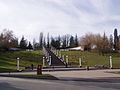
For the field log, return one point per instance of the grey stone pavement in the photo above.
(85, 74)
(82, 74)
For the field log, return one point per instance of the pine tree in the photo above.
(72, 42)
(116, 40)
(23, 43)
(111, 42)
(59, 42)
(30, 46)
(41, 40)
(44, 42)
(76, 41)
(34, 42)
(48, 41)
(64, 45)
(53, 44)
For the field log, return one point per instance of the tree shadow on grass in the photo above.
(6, 63)
(7, 86)
(6, 70)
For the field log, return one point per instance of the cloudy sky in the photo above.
(30, 17)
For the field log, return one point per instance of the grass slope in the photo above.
(8, 59)
(92, 58)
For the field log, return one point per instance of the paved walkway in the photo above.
(91, 74)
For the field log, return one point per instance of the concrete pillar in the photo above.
(18, 64)
(110, 62)
(80, 62)
(67, 61)
(63, 57)
(43, 61)
(50, 63)
(60, 55)
(57, 53)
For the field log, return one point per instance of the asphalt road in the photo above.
(30, 84)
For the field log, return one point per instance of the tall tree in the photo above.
(72, 42)
(36, 46)
(76, 41)
(116, 40)
(68, 40)
(23, 43)
(44, 42)
(105, 45)
(53, 44)
(30, 46)
(34, 42)
(48, 41)
(59, 42)
(64, 45)
(41, 40)
(111, 42)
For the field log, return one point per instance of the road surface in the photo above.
(30, 84)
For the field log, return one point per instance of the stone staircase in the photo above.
(52, 58)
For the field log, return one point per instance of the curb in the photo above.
(31, 77)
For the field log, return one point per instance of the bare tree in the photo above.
(68, 40)
(96, 41)
(88, 41)
(8, 40)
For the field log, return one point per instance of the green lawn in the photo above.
(91, 58)
(8, 59)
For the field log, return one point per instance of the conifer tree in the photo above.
(116, 40)
(23, 43)
(30, 46)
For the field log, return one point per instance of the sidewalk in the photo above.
(85, 74)
(90, 75)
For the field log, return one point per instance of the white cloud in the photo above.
(30, 17)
